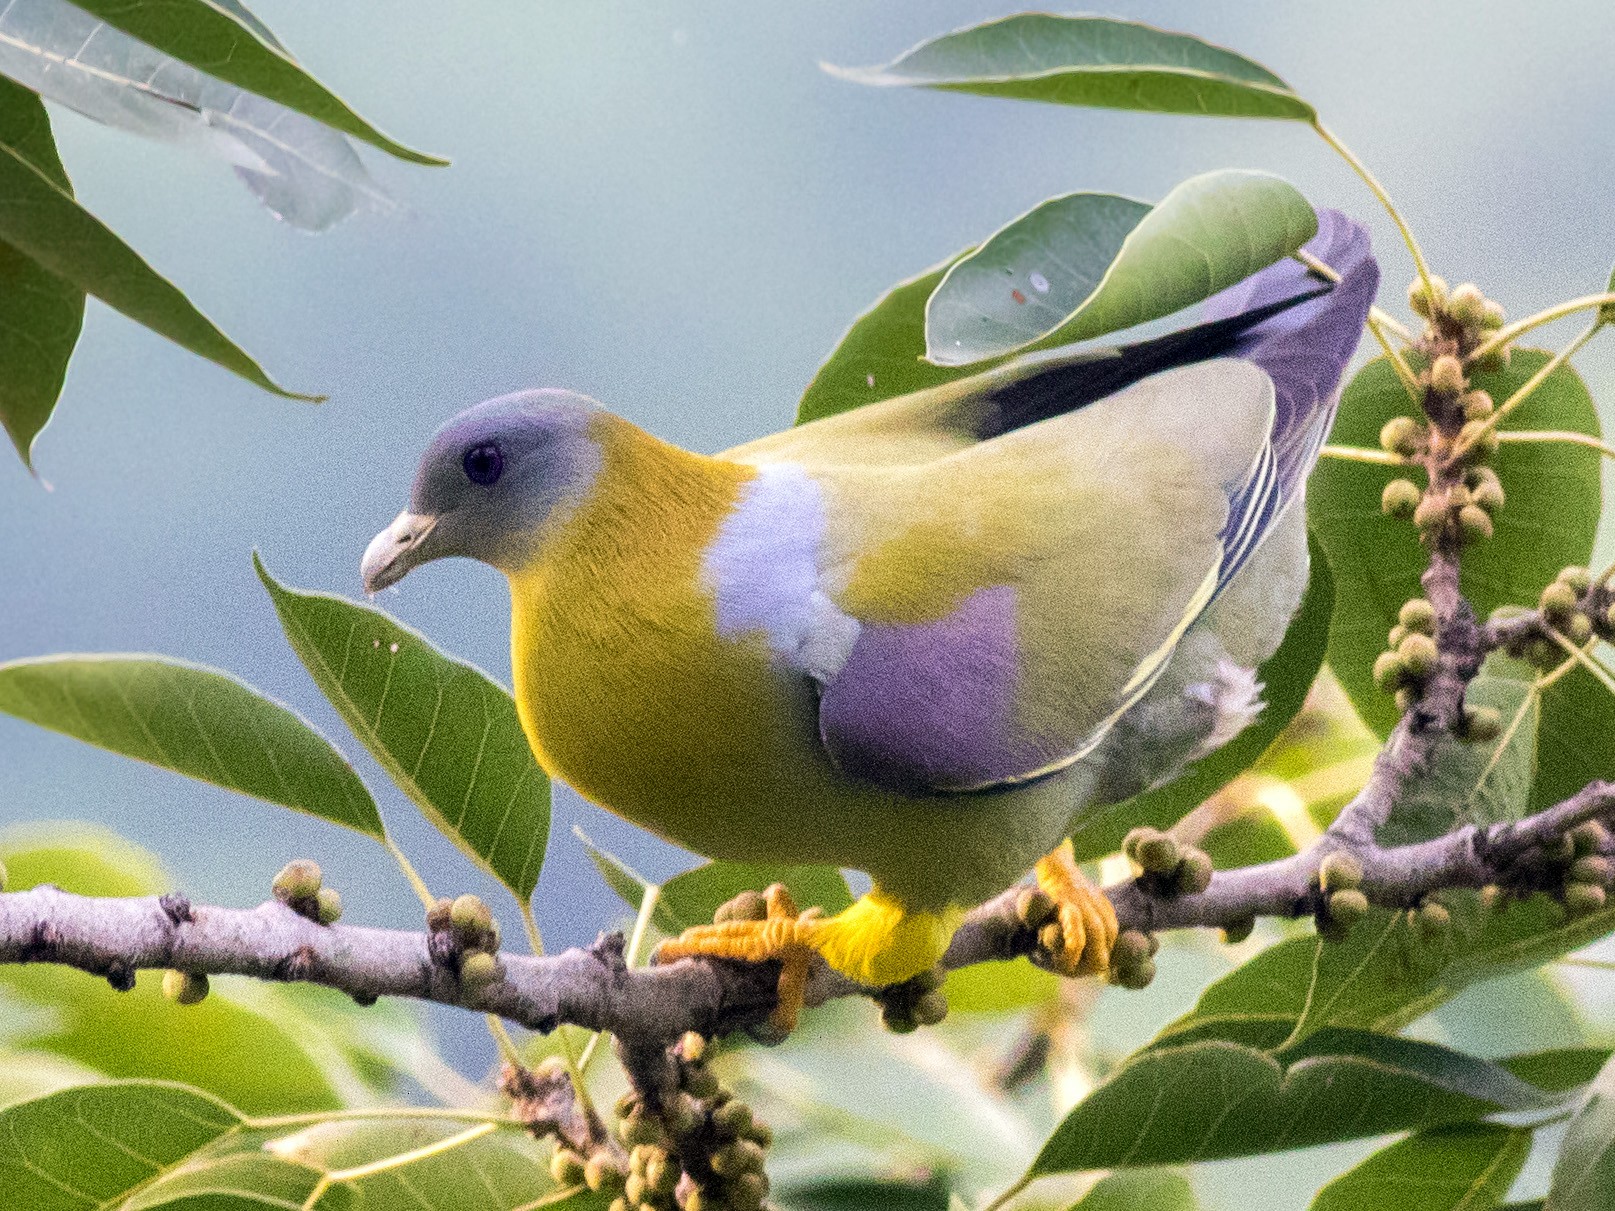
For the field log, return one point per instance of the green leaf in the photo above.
(193, 720)
(40, 220)
(856, 1195)
(1140, 1190)
(240, 1181)
(40, 314)
(1211, 1099)
(1573, 748)
(1093, 61)
(1086, 264)
(1286, 676)
(228, 42)
(691, 898)
(1560, 1069)
(1379, 978)
(94, 1145)
(882, 355)
(265, 1050)
(1470, 783)
(1547, 524)
(445, 732)
(1584, 1175)
(1466, 1168)
(496, 1170)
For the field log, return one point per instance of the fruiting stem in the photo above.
(535, 940)
(1020, 1184)
(564, 1194)
(1378, 190)
(317, 1118)
(508, 1051)
(1558, 435)
(1356, 454)
(1404, 372)
(1518, 328)
(410, 873)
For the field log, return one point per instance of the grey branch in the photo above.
(650, 1008)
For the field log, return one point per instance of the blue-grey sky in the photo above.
(671, 208)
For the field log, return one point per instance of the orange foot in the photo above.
(1079, 937)
(783, 935)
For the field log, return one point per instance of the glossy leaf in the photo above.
(1466, 1168)
(445, 732)
(1093, 61)
(40, 220)
(1573, 738)
(1210, 1099)
(228, 42)
(1286, 676)
(1378, 978)
(1560, 1069)
(195, 721)
(1087, 264)
(882, 355)
(1140, 1190)
(869, 1195)
(1584, 1175)
(94, 1145)
(40, 314)
(1548, 522)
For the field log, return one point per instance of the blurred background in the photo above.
(671, 208)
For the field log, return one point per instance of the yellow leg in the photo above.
(876, 942)
(1084, 929)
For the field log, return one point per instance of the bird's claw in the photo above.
(781, 934)
(1076, 938)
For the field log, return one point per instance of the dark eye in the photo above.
(483, 464)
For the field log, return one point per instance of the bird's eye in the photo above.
(483, 464)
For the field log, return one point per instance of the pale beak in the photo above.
(397, 549)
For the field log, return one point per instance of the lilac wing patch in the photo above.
(927, 707)
(1305, 351)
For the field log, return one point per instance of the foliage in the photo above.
(283, 1097)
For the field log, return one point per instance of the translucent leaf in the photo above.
(1584, 1175)
(445, 732)
(223, 38)
(1211, 1098)
(195, 721)
(1467, 1168)
(40, 313)
(1548, 522)
(304, 171)
(1095, 61)
(1154, 1189)
(1087, 264)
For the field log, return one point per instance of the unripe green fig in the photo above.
(1418, 654)
(1193, 875)
(1400, 499)
(1427, 303)
(1417, 614)
(1589, 838)
(1136, 977)
(1340, 871)
(1478, 438)
(328, 906)
(1594, 868)
(1401, 435)
(478, 969)
(1492, 315)
(1475, 523)
(1577, 579)
(1034, 907)
(1447, 375)
(1489, 495)
(566, 1167)
(1477, 405)
(1431, 513)
(931, 1008)
(1389, 671)
(1347, 907)
(1237, 931)
(1584, 898)
(185, 987)
(297, 880)
(1433, 921)
(1132, 946)
(1159, 854)
(1466, 304)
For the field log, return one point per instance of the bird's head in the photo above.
(492, 485)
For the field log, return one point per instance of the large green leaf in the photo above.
(267, 1050)
(1380, 978)
(92, 1146)
(1086, 264)
(1547, 524)
(40, 220)
(240, 1181)
(1095, 61)
(1467, 1168)
(1584, 1175)
(882, 355)
(1286, 676)
(228, 42)
(1211, 1098)
(40, 314)
(446, 733)
(1573, 738)
(193, 720)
